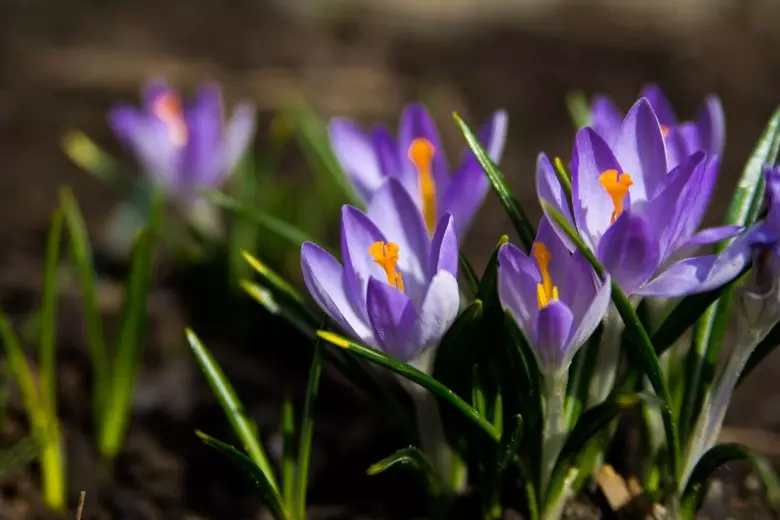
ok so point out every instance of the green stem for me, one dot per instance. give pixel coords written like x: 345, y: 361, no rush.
x: 554, y: 431
x: 607, y: 358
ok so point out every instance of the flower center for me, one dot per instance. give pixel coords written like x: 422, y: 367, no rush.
x: 167, y: 108
x: 385, y: 254
x: 616, y: 186
x: 421, y: 153
x: 545, y: 291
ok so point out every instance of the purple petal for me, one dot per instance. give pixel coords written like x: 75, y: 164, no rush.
x: 438, y: 310
x: 551, y: 335
x: 149, y: 139
x: 660, y: 104
x: 578, y: 287
x: 548, y: 189
x: 691, y: 202
x: 358, y: 233
x: 238, y: 134
x: 416, y: 122
x: 640, y: 151
x: 386, y: 150
x: 713, y: 235
x: 518, y: 277
x: 200, y: 157
x: 560, y: 256
x: 392, y: 316
x: 592, y: 205
x: 605, y: 119
x: 395, y: 214
x: 356, y: 154
x: 444, y: 248
x: 469, y: 184
x: 711, y: 123
x: 324, y: 278
x: 676, y: 147
x: 629, y: 251
x: 589, y: 313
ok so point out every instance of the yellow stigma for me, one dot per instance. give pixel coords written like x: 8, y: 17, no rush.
x: 421, y: 153
x: 545, y: 291
x: 167, y: 108
x: 385, y: 254
x: 616, y: 187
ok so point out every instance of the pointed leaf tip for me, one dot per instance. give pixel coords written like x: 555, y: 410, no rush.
x: 333, y: 339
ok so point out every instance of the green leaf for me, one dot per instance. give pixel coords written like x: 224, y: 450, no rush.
x: 766, y: 347
x: 288, y: 456
x: 414, y: 375
x: 88, y: 156
x: 132, y: 325
x: 579, y: 108
x: 581, y: 374
x: 291, y: 234
x: 234, y: 410
x: 81, y: 250
x: 524, y: 229
x: 271, y: 497
x: 472, y: 280
x: 643, y: 353
x: 510, y: 442
x: 589, y: 424
x: 307, y: 430
x: 414, y: 458
x: 718, y: 456
x: 564, y: 178
x: 48, y: 317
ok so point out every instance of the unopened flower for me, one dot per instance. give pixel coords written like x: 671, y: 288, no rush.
x: 706, y: 134
x: 397, y: 289
x: 417, y: 160
x: 553, y: 295
x: 636, y: 214
x: 184, y: 148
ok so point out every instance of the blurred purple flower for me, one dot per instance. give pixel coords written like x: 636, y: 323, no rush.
x: 184, y: 148
x: 555, y: 298
x: 635, y: 214
x: 397, y: 290
x: 418, y: 162
x: 682, y: 139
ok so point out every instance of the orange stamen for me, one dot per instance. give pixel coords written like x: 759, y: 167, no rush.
x: 545, y: 291
x: 168, y: 109
x: 385, y: 254
x: 616, y: 185
x: 421, y: 153
x: 664, y: 130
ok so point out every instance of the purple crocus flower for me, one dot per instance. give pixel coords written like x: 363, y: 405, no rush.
x: 416, y: 159
x: 635, y: 214
x: 184, y: 148
x: 706, y: 134
x: 555, y: 297
x: 397, y: 290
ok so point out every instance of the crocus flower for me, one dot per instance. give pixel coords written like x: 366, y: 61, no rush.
x: 397, y: 290
x: 553, y: 295
x: 635, y: 214
x: 184, y: 148
x: 416, y: 159
x: 706, y: 134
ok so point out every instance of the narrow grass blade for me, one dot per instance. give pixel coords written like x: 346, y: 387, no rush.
x: 710, y: 329
x: 88, y: 156
x: 414, y: 375
x: 510, y: 442
x: 271, y: 497
x: 291, y: 234
x: 524, y: 229
x: 717, y: 457
x: 288, y: 455
x: 643, y: 353
x: 132, y: 326
x: 307, y: 430
x: 469, y: 274
x: 579, y: 108
x: 81, y: 250
x: 564, y: 177
x: 48, y: 317
x: 234, y: 410
x: 766, y: 347
x: 414, y: 458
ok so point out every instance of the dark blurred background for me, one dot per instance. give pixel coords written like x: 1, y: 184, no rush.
x: 65, y: 62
